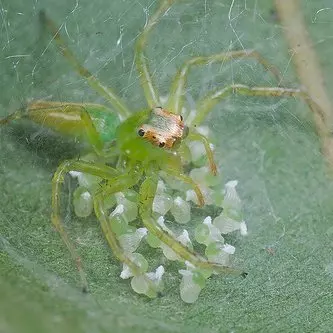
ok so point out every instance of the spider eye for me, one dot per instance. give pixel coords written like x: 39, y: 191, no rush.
x: 141, y: 132
x: 162, y: 144
x: 181, y: 118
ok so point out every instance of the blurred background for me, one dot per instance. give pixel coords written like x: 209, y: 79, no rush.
x: 269, y: 145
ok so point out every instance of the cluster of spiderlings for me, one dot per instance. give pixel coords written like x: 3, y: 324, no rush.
x: 172, y: 202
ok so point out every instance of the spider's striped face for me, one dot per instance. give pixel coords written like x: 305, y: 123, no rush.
x: 163, y: 128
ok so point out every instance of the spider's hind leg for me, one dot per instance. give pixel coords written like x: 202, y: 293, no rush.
x: 147, y: 194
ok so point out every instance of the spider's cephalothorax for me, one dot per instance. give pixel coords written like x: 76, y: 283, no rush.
x: 163, y: 128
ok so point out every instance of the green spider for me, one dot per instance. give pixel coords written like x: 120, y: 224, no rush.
x: 131, y: 148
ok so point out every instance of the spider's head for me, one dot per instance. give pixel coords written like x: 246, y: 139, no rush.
x: 163, y: 129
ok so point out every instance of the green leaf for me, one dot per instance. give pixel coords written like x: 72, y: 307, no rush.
x: 269, y: 145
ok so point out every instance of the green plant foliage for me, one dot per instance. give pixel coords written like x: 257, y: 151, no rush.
x: 269, y: 145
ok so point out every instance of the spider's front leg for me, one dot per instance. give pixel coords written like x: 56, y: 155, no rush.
x: 140, y: 58
x: 147, y: 194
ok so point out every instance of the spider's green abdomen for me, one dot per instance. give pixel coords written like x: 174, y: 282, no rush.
x: 105, y: 121
x: 68, y: 118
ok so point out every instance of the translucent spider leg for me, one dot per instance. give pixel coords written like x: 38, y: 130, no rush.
x: 177, y: 91
x: 147, y: 194
x: 102, y: 171
x: 205, y: 105
x: 140, y: 58
x: 94, y: 83
x: 188, y: 180
x: 116, y: 184
x: 111, y: 237
x: 195, y: 136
